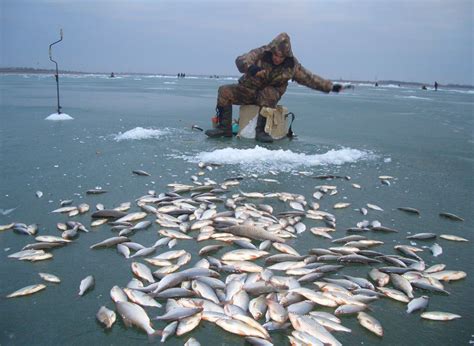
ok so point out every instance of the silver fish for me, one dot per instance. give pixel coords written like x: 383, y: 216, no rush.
x: 27, y: 290
x: 417, y: 304
x: 169, y: 330
x: 439, y: 316
x: 86, y: 284
x: 140, y: 172
x: 106, y: 316
x: 370, y: 323
x: 436, y: 250
x: 253, y: 232
x: 49, y: 277
x: 133, y: 314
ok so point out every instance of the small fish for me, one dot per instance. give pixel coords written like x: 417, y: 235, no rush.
x: 95, y: 191
x: 65, y: 202
x: 417, y: 304
x: 49, y: 277
x: 409, y: 210
x: 141, y: 298
x: 187, y: 324
x: 36, y: 257
x: 86, y: 284
x: 374, y: 207
x: 98, y: 222
x: 83, y: 208
x: 169, y: 330
x: 296, y: 206
x: 243, y: 255
x: 27, y: 290
x: 66, y: 209
x: 51, y: 239
x: 195, y: 127
x: 422, y: 236
x: 269, y: 180
x: 370, y: 323
x: 436, y: 250
x: 439, y: 316
x: 192, y: 341
x: 452, y: 237
x: 178, y: 314
x: 109, y: 242
x: 451, y: 216
x: 142, y: 173
x: 32, y: 229
x: 318, y: 195
x: 118, y: 295
x: 448, y: 275
x: 341, y: 205
x: 142, y: 271
x: 385, y: 177
x: 106, y: 316
x: 7, y: 211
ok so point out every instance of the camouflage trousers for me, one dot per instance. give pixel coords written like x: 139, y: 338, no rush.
x: 236, y: 94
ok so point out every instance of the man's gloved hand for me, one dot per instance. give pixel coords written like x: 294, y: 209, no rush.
x: 336, y: 88
x: 254, y: 69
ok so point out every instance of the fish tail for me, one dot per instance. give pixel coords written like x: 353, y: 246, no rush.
x: 154, y: 335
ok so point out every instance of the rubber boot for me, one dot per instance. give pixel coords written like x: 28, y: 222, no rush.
x: 260, y: 134
x: 224, y: 129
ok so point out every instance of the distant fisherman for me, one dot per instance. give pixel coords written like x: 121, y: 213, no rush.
x: 266, y: 70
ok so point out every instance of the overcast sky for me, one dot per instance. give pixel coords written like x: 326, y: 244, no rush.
x: 414, y: 40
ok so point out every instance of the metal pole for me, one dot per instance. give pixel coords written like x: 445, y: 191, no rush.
x: 57, y: 72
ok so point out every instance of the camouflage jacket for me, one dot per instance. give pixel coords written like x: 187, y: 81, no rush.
x: 278, y: 75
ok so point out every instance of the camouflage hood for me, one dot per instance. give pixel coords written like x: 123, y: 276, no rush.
x: 277, y: 76
x: 281, y: 44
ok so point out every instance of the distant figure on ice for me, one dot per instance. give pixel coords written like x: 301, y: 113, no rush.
x: 436, y: 86
x: 266, y: 72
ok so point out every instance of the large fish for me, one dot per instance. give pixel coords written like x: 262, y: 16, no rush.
x: 133, y: 314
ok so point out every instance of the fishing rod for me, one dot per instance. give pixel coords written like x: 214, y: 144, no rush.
x: 57, y: 72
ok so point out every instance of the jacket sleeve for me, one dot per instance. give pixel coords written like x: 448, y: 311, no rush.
x: 244, y: 61
x: 305, y: 77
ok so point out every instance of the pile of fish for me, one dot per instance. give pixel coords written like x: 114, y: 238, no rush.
x: 245, y: 278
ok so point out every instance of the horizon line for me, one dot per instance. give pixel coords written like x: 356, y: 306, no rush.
x: 16, y: 69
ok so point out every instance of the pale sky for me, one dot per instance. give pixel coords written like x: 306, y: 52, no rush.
x: 413, y: 40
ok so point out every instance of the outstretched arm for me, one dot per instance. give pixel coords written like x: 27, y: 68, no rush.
x: 305, y: 77
x: 244, y: 61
